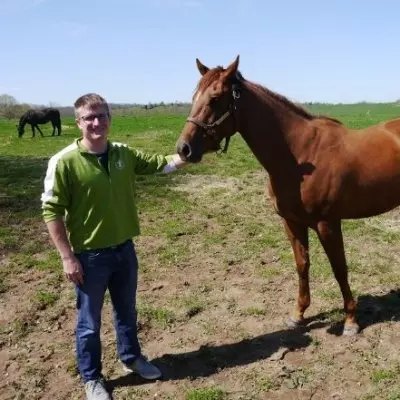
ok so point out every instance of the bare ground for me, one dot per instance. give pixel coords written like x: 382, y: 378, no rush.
x: 217, y: 311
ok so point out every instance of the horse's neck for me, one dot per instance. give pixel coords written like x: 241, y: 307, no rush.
x: 272, y: 132
x: 22, y: 123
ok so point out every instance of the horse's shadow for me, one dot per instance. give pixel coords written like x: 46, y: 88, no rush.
x: 370, y: 311
x: 210, y: 359
x: 374, y: 309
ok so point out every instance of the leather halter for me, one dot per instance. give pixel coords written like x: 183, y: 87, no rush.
x: 210, y: 129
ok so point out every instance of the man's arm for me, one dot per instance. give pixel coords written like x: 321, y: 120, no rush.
x: 71, y: 265
x: 151, y: 163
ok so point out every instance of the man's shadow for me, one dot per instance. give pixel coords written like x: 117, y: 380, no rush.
x: 210, y: 359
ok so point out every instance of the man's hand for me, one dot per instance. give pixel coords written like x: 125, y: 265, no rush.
x: 73, y: 269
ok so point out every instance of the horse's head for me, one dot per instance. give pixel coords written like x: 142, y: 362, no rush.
x: 20, y: 130
x: 212, y: 117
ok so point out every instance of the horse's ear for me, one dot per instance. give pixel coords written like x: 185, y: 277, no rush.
x: 232, y: 68
x: 201, y: 67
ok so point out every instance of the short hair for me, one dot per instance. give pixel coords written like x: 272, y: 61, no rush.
x: 90, y: 100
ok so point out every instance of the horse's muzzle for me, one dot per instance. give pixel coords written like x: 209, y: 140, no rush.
x: 187, y: 153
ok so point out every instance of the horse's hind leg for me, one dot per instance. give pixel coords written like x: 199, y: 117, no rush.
x: 330, y: 236
x: 298, y: 236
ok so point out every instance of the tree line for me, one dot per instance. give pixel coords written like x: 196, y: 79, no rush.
x: 10, y: 108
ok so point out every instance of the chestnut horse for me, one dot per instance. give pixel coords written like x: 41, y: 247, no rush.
x: 319, y: 171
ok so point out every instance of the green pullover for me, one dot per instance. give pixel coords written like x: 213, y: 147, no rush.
x: 98, y: 206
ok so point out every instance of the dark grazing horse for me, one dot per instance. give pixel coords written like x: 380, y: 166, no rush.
x: 36, y: 117
x: 320, y: 172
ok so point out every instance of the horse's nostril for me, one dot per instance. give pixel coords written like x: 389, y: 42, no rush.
x: 185, y: 150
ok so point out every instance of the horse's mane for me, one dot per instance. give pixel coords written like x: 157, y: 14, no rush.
x: 290, y: 105
x: 329, y: 119
x: 24, y: 117
x: 282, y: 100
x: 214, y: 74
x: 208, y: 78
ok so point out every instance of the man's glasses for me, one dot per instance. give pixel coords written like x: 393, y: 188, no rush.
x: 101, y: 117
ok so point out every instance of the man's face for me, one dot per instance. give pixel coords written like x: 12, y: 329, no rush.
x: 94, y: 122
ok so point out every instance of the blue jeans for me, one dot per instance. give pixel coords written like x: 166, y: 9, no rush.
x: 115, y: 268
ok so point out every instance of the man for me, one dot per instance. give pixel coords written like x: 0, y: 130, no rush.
x: 89, y: 209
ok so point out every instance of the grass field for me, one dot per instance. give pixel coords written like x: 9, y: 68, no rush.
x: 217, y: 280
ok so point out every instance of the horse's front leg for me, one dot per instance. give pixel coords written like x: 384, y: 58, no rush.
x: 41, y: 133
x: 331, y: 238
x: 298, y: 236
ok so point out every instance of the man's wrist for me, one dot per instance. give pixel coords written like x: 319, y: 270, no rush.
x: 178, y: 161
x: 67, y: 256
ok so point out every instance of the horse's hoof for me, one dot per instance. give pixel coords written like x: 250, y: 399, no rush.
x: 293, y: 323
x: 351, y: 330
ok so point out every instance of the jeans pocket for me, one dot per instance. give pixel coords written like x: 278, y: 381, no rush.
x: 99, y: 259
x: 93, y: 255
x: 90, y: 259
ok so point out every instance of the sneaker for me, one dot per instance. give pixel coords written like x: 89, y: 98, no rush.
x: 95, y: 390
x: 143, y: 368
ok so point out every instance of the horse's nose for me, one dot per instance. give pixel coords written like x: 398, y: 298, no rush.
x: 184, y: 150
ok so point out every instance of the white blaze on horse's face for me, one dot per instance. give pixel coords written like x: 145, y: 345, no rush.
x: 196, y: 98
x: 205, y: 106
x: 210, y: 119
x: 196, y: 105
x: 199, y: 106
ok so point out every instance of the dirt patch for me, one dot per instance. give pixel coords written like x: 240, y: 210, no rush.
x: 221, y: 303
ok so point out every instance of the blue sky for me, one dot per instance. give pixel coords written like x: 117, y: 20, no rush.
x: 53, y: 51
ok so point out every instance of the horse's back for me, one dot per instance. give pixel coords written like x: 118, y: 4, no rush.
x: 356, y: 173
x: 378, y: 142
x: 45, y: 115
x: 50, y: 111
x: 393, y: 126
x: 54, y: 113
x: 371, y: 160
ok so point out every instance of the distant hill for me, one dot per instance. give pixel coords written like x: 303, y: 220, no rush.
x: 14, y: 111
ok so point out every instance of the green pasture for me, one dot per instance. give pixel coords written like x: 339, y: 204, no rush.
x: 23, y: 164
x: 23, y: 160
x: 216, y: 211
